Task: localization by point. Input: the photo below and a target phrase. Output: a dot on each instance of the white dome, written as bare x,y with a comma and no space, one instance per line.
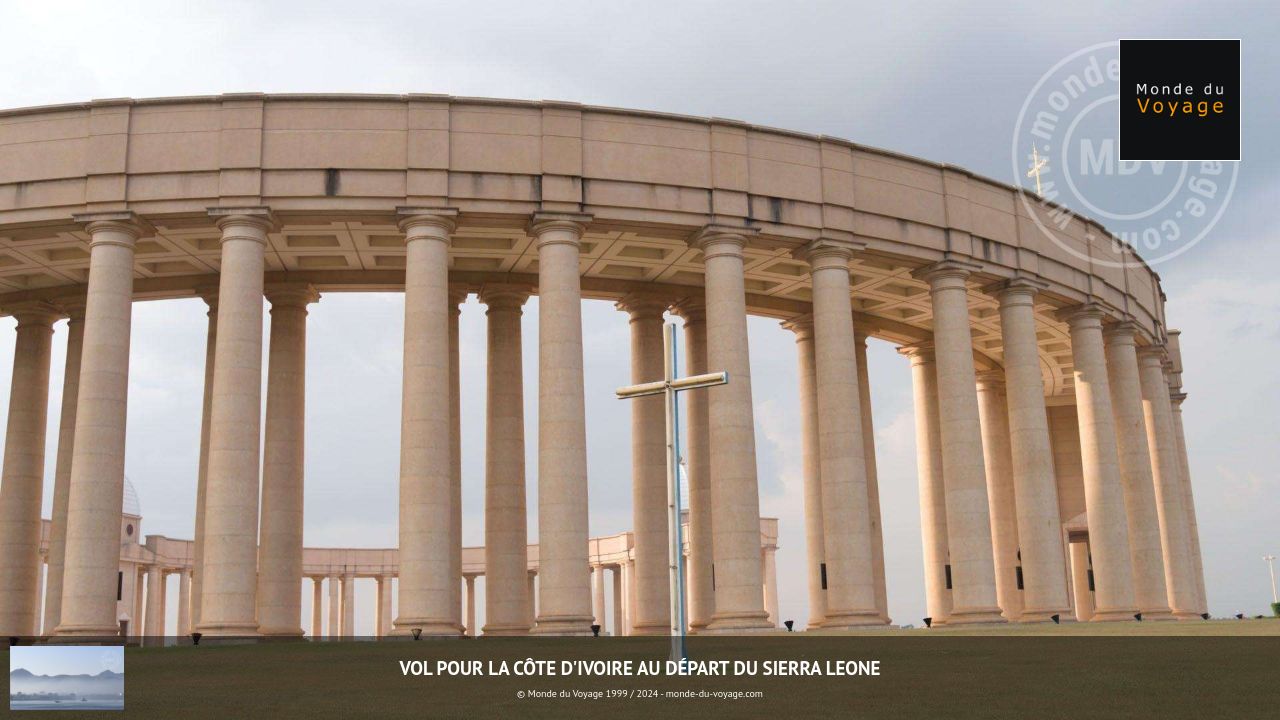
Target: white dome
131,505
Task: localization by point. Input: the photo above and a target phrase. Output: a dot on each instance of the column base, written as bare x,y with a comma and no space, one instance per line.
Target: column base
566,625
1186,615
82,634
729,623
511,630
699,626
1114,615
247,631
403,628
1157,615
651,629
282,633
1032,617
975,616
851,619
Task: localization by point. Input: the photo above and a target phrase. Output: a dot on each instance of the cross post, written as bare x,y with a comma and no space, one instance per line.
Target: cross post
669,387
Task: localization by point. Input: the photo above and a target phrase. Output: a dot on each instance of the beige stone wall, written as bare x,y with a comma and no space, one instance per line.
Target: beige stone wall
334,168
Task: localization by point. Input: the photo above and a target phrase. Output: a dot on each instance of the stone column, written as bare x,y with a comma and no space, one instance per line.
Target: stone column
74,308
1171,512
348,606
228,604
1135,473
735,498
631,596
873,482
701,599
155,606
184,602
36,622
506,561
597,594
933,503
471,605
1044,571
138,628
1176,398
280,543
806,369
533,598
770,572
335,608
1188,499
1104,494
564,607
92,560
994,415
649,467
23,481
317,607
426,470
202,473
457,296
851,599
384,606
973,594
618,628
1080,581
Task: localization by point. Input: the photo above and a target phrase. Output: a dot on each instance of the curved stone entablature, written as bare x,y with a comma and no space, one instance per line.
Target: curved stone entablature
333,169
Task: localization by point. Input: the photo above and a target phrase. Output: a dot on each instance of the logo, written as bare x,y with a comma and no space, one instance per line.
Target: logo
1066,148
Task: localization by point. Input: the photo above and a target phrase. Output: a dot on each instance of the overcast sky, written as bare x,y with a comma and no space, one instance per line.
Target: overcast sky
943,82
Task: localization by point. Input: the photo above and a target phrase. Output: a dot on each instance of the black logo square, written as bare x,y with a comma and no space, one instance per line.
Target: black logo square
1179,99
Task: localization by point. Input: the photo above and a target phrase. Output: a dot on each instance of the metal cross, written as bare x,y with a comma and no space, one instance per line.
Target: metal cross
1037,164
1271,566
670,386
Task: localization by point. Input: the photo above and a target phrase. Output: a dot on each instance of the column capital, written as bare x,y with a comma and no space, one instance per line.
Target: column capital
457,295
644,305
72,307
1121,333
826,252
801,325
571,225
860,335
1152,355
504,296
114,228
34,313
209,293
1082,315
921,352
692,308
1016,291
946,273
424,223
993,379
291,295
1176,398
715,240
253,223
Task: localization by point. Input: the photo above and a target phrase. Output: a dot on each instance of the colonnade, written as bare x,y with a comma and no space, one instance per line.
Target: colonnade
994,543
